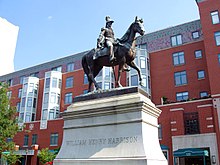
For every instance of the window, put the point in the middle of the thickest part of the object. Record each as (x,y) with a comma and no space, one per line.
(47,83)
(46,98)
(176,40)
(58,68)
(201,74)
(178,58)
(22,79)
(215,17)
(106,85)
(191,123)
(23,101)
(19,92)
(203,94)
(34,139)
(54,139)
(9,94)
(217,38)
(134,80)
(31,87)
(69,82)
(26,137)
(53,97)
(54,82)
(70,67)
(142,62)
(18,107)
(85,79)
(160,132)
(28,117)
(10,82)
(44,114)
(51,114)
(182,96)
(60,84)
(195,35)
(219,58)
(180,78)
(34,103)
(36,74)
(107,72)
(68,98)
(198,54)
(29,101)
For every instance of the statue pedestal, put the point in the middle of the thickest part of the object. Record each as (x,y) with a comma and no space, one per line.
(117,127)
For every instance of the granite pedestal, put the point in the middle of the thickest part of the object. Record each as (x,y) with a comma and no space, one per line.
(117,127)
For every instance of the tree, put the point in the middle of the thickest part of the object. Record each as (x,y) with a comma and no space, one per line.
(8,124)
(46,155)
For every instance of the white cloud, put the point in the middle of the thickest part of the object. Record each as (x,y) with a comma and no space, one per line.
(49,17)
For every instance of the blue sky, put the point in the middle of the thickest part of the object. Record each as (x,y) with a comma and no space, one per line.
(51,29)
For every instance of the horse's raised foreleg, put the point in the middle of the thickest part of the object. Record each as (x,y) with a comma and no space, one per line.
(134,65)
(120,69)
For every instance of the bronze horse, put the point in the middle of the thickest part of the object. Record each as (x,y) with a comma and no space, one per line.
(124,53)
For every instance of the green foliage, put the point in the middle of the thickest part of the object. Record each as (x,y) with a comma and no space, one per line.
(46,155)
(11,158)
(8,121)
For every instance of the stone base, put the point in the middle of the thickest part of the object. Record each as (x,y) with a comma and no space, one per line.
(118,129)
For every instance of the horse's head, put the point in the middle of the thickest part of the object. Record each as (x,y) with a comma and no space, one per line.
(138,26)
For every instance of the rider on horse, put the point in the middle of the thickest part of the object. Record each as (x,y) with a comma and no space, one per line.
(106,38)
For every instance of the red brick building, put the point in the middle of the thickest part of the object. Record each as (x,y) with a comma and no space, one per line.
(181,72)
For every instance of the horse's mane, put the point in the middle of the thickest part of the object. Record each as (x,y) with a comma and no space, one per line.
(124,38)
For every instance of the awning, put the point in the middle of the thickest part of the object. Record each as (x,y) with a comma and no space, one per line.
(190,152)
(164,147)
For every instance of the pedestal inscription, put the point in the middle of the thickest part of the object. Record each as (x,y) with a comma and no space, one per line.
(117,129)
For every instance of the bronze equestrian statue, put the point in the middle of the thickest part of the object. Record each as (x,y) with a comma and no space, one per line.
(124,53)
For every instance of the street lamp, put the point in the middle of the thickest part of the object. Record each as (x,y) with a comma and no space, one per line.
(26,151)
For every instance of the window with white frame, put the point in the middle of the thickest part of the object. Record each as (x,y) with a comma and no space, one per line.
(215,17)
(198,54)
(44,114)
(134,80)
(182,96)
(201,74)
(176,40)
(54,82)
(52,114)
(142,62)
(217,38)
(19,92)
(53,97)
(58,68)
(195,35)
(178,58)
(85,80)
(70,67)
(29,101)
(46,98)
(47,83)
(18,106)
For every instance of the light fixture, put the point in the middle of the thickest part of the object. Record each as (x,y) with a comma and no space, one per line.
(213,159)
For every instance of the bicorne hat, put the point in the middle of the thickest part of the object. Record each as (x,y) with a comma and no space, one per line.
(108,19)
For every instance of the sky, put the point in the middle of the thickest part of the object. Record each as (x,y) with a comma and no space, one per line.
(52,29)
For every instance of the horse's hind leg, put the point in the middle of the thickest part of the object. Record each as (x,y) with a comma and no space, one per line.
(134,65)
